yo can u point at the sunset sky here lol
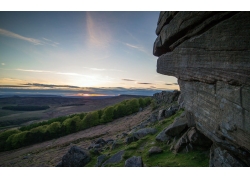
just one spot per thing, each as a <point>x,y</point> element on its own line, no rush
<point>84,49</point>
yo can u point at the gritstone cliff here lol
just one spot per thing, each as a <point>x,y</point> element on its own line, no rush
<point>209,53</point>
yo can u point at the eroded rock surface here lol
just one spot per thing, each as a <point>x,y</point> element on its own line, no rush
<point>209,53</point>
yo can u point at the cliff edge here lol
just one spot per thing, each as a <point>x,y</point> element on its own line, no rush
<point>209,53</point>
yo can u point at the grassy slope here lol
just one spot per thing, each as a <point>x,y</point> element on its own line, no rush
<point>165,159</point>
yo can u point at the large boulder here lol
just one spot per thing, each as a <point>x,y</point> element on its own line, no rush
<point>134,162</point>
<point>135,136</point>
<point>154,150</point>
<point>177,127</point>
<point>100,160</point>
<point>162,137</point>
<point>144,132</point>
<point>75,157</point>
<point>116,158</point>
<point>171,111</point>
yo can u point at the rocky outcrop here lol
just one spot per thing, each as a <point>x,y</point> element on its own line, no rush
<point>166,97</point>
<point>209,53</point>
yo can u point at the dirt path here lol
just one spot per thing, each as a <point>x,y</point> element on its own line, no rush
<point>50,153</point>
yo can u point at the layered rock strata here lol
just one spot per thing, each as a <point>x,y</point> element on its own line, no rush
<point>209,53</point>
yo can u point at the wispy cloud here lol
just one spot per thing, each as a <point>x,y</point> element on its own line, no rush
<point>50,42</point>
<point>169,84</point>
<point>99,33</point>
<point>34,41</point>
<point>143,83</point>
<point>131,35</point>
<point>128,80</point>
<point>3,64</point>
<point>17,36</point>
<point>49,85</point>
<point>52,72</point>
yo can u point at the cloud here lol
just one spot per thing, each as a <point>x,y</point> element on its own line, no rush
<point>98,32</point>
<point>52,72</point>
<point>28,39</point>
<point>96,69</point>
<point>130,34</point>
<point>3,64</point>
<point>170,84</point>
<point>143,83</point>
<point>128,80</point>
<point>50,85</point>
<point>17,36</point>
<point>50,42</point>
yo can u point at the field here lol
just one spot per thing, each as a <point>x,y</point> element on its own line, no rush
<point>59,106</point>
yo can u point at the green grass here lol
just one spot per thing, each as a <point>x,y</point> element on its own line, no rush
<point>197,158</point>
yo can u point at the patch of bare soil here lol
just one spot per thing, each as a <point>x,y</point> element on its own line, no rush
<point>50,153</point>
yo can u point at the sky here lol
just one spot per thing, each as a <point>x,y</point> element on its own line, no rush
<point>83,49</point>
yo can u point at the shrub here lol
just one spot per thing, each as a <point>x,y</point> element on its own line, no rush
<point>132,106</point>
<point>70,124</point>
<point>107,114</point>
<point>4,136</point>
<point>54,128</point>
<point>17,140</point>
<point>91,119</point>
<point>142,102</point>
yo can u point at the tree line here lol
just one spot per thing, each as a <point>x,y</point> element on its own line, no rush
<point>57,127</point>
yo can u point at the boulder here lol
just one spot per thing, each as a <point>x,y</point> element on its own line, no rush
<point>134,162</point>
<point>75,157</point>
<point>153,118</point>
<point>59,164</point>
<point>144,132</point>
<point>116,144</point>
<point>177,127</point>
<point>116,158</point>
<point>100,160</point>
<point>197,138</point>
<point>131,139</point>
<point>101,142</point>
<point>171,111</point>
<point>155,150</point>
<point>181,143</point>
<point>162,137</point>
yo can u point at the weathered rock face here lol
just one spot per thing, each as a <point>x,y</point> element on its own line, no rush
<point>166,96</point>
<point>209,53</point>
